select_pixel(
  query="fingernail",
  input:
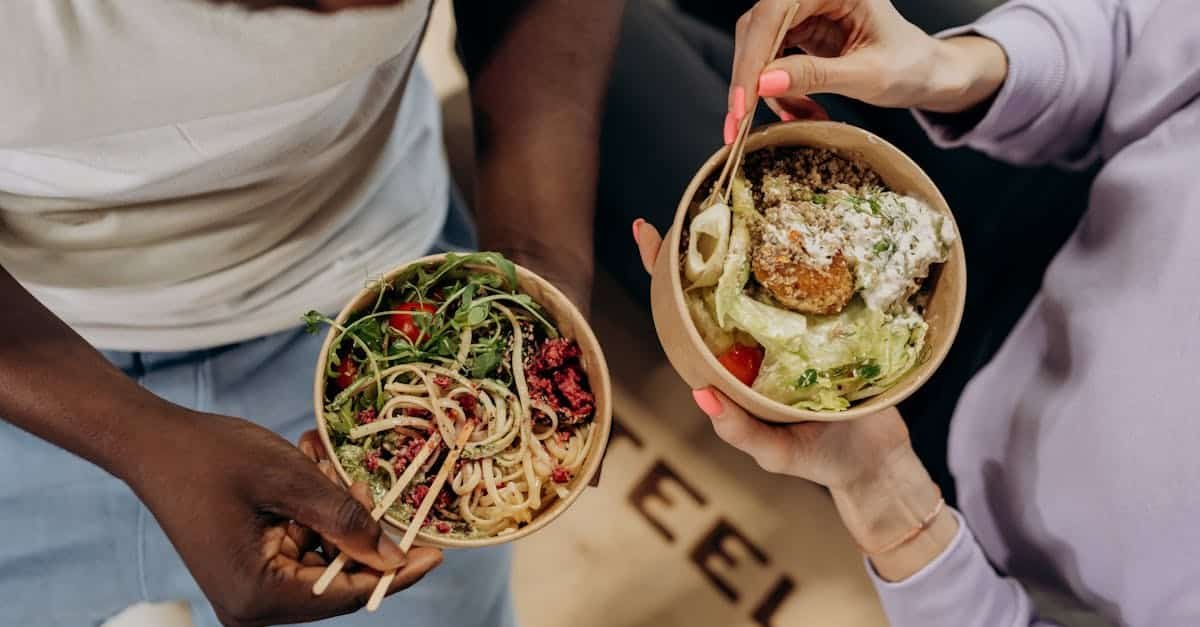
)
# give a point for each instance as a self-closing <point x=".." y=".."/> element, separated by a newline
<point x="731" y="124"/>
<point x="739" y="103"/>
<point x="708" y="402"/>
<point x="786" y="117"/>
<point x="390" y="551"/>
<point x="773" y="83"/>
<point x="637" y="230"/>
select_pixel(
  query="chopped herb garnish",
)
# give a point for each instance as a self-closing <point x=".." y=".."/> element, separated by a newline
<point x="868" y="370"/>
<point x="808" y="379"/>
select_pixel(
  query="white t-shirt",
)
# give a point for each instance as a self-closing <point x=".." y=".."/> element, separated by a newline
<point x="180" y="174"/>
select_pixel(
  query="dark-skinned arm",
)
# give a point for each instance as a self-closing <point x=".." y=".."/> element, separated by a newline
<point x="225" y="490"/>
<point x="538" y="72"/>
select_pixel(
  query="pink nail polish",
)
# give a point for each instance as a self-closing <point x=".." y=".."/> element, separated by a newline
<point x="637" y="230"/>
<point x="773" y="83"/>
<point x="786" y="117"/>
<point x="739" y="103"/>
<point x="708" y="402"/>
<point x="731" y="124"/>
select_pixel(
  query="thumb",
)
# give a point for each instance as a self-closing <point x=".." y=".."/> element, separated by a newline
<point x="769" y="445"/>
<point x="798" y="75"/>
<point x="345" y="521"/>
<point x="801" y="108"/>
<point x="648" y="242"/>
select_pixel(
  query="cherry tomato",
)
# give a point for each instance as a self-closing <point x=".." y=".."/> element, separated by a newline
<point x="742" y="362"/>
<point x="347" y="370"/>
<point x="402" y="321"/>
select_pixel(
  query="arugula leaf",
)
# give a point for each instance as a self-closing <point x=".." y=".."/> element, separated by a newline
<point x="485" y="361"/>
<point x="477" y="314"/>
<point x="313" y="321"/>
<point x="370" y="334"/>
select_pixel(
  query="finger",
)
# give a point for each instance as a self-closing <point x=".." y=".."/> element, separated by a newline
<point x="324" y="507"/>
<point x="648" y="242"/>
<point x="312" y="558"/>
<point x="798" y="75"/>
<point x="326" y="467"/>
<point x="353" y="589"/>
<point x="301" y="537"/>
<point x="802" y="108"/>
<point x="771" y="446"/>
<point x="310" y="444"/>
<point x="753" y="49"/>
<point x="347" y="592"/>
<point x="362" y="493"/>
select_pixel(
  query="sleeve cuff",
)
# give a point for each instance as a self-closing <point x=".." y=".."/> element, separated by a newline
<point x="1036" y="73"/>
<point x="957" y="588"/>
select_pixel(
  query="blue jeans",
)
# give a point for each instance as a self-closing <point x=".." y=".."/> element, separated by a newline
<point x="77" y="547"/>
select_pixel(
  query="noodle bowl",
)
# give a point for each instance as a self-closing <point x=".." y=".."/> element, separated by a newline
<point x="448" y="341"/>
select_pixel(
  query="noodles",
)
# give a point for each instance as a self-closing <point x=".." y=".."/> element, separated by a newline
<point x="462" y="361"/>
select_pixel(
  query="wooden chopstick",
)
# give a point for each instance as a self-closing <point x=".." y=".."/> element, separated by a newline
<point x="384" y="504"/>
<point x="418" y="519"/>
<point x="737" y="149"/>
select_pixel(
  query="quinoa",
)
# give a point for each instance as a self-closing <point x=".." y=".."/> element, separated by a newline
<point x="795" y="173"/>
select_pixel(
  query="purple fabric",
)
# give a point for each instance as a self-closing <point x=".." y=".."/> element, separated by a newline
<point x="1077" y="449"/>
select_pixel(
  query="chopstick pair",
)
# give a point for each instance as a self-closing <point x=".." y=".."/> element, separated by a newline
<point x="723" y="188"/>
<point x="384" y="504"/>
<point x="418" y="519"/>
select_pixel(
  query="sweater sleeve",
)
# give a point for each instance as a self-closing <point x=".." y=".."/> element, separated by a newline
<point x="956" y="589"/>
<point x="1063" y="59"/>
<point x="80" y="69"/>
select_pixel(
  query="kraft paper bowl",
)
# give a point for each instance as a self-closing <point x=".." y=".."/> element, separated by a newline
<point x="946" y="283"/>
<point x="571" y="324"/>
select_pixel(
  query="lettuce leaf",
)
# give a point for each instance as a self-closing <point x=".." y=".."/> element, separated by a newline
<point x="736" y="271"/>
<point x="837" y="359"/>
<point x="769" y="325"/>
<point x="701" y="304"/>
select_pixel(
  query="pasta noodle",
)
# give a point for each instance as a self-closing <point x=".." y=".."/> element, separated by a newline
<point x="504" y="369"/>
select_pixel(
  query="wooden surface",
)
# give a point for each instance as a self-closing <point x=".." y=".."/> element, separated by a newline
<point x="699" y="367"/>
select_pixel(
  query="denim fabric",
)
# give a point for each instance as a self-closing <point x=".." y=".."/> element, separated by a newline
<point x="79" y="547"/>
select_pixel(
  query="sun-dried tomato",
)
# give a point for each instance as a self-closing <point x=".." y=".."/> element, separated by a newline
<point x="556" y="377"/>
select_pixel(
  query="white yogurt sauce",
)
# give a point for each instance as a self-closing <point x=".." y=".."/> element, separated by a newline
<point x="889" y="239"/>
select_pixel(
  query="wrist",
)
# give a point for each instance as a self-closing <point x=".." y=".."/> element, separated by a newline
<point x="896" y="515"/>
<point x="567" y="267"/>
<point x="155" y="432"/>
<point x="965" y="72"/>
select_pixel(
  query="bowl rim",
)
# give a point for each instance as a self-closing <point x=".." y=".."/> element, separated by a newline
<point x="599" y="381"/>
<point x="865" y="407"/>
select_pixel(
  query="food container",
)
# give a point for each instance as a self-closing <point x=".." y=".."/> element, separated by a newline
<point x="946" y="284"/>
<point x="571" y="324"/>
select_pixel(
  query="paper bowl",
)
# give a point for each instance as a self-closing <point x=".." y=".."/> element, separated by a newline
<point x="947" y="282"/>
<point x="572" y="325"/>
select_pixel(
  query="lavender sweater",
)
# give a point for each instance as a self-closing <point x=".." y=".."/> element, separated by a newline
<point x="1077" y="449"/>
